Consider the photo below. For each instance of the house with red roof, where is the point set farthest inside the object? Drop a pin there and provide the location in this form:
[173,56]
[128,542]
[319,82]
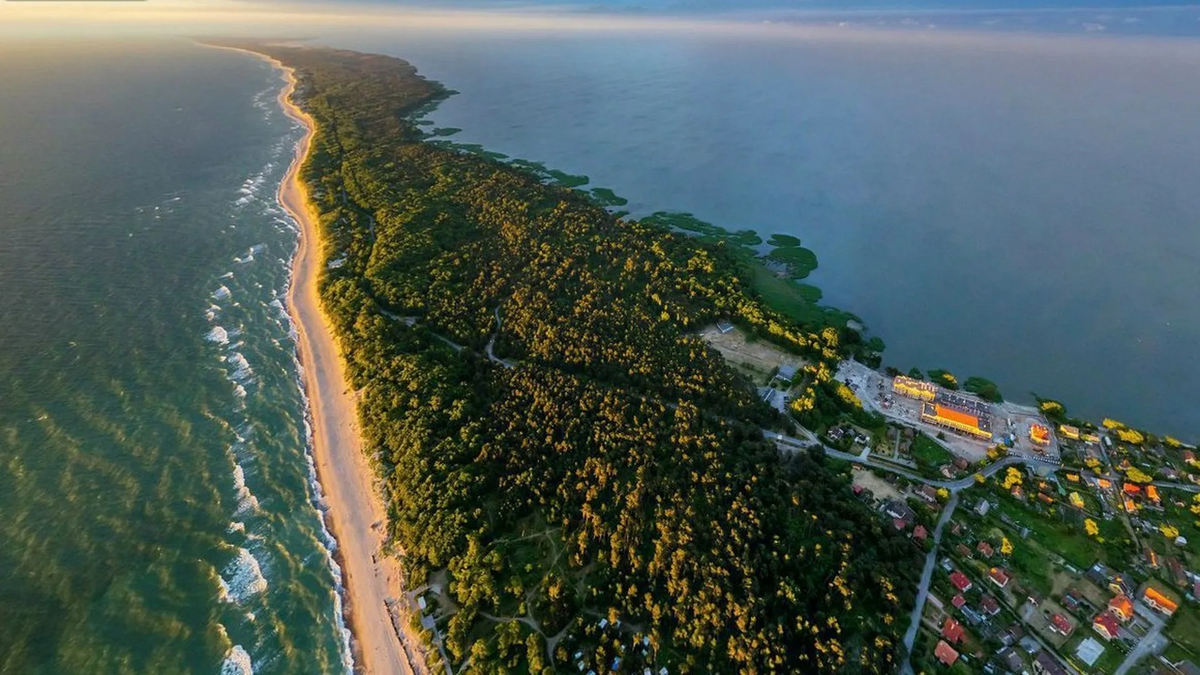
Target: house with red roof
[998,577]
[1106,626]
[952,631]
[920,533]
[945,653]
[958,601]
[989,606]
[985,549]
[960,581]
[1060,624]
[1121,607]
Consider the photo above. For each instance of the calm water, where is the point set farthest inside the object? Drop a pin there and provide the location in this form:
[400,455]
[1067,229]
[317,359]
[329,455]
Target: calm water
[1019,207]
[158,514]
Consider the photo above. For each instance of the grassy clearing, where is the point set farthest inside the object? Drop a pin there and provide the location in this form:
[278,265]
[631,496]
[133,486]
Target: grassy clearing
[926,452]
[796,301]
[1184,629]
[1068,540]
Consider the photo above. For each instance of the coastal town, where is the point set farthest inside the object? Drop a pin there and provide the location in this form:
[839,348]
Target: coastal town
[1054,546]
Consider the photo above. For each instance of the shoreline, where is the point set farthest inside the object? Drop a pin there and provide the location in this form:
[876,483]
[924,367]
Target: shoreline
[356,514]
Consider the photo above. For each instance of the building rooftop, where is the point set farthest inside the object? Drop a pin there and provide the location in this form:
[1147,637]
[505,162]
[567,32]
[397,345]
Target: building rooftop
[945,653]
[952,631]
[960,580]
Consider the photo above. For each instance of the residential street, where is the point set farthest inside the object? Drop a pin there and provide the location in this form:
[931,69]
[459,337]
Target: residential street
[926,577]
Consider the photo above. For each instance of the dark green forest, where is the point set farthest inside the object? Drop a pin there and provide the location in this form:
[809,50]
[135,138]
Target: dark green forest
[586,476]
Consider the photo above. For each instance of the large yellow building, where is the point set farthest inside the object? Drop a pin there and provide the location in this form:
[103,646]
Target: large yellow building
[979,427]
[907,386]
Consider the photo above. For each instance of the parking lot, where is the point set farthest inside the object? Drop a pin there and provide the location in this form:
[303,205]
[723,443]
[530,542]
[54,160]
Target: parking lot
[1007,419]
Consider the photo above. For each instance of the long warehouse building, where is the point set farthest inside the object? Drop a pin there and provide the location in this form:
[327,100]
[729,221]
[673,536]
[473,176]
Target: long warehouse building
[958,420]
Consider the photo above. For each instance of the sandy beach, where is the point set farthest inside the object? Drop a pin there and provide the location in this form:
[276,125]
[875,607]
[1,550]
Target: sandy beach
[356,513]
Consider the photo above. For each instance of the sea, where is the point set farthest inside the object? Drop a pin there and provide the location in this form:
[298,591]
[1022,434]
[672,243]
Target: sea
[1016,205]
[158,498]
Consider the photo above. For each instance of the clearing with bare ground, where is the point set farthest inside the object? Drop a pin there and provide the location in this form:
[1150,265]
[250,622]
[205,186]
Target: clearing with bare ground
[878,486]
[760,357]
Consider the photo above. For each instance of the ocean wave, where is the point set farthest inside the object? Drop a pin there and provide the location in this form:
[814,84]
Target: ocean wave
[247,502]
[242,578]
[254,250]
[218,335]
[221,293]
[242,372]
[237,662]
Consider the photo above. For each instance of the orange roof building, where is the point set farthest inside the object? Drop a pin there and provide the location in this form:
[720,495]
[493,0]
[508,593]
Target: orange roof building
[945,416]
[1121,607]
[1039,434]
[1159,601]
[1152,494]
[1069,431]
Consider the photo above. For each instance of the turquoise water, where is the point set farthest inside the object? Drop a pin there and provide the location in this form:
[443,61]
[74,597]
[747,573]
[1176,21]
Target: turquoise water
[159,509]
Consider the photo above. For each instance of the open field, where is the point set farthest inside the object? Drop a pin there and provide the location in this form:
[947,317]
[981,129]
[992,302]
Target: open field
[759,356]
[878,486]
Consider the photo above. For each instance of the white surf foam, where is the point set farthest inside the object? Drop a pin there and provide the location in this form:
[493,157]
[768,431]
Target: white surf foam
[241,372]
[237,662]
[247,502]
[218,335]
[243,578]
[221,293]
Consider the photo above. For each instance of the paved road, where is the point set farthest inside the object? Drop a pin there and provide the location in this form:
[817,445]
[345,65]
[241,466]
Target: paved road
[926,577]
[1153,643]
[865,459]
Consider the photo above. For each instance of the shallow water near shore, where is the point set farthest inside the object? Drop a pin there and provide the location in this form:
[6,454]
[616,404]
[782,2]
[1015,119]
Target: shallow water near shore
[161,513]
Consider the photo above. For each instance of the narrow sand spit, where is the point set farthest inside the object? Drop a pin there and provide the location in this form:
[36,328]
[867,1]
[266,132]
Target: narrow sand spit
[356,510]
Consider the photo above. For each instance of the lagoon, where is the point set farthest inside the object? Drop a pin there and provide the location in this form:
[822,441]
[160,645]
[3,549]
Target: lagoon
[1020,207]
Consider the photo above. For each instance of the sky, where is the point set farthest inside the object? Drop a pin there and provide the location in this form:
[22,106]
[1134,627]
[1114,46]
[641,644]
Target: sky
[268,18]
